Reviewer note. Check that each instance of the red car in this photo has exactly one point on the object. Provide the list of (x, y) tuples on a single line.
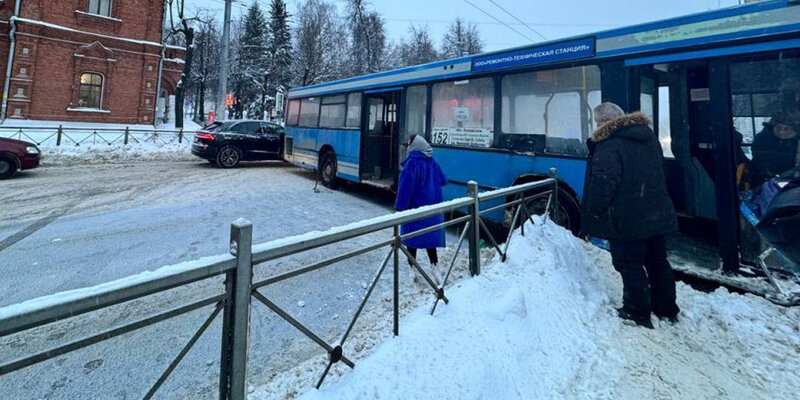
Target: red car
[(16, 155)]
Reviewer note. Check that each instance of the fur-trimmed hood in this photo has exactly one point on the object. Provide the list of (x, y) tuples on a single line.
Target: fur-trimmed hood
[(613, 126)]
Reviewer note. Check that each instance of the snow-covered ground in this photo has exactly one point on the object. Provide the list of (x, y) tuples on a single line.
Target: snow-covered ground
[(542, 326), (68, 227), (104, 154)]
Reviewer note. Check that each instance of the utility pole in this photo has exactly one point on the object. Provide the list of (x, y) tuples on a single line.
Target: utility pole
[(223, 62)]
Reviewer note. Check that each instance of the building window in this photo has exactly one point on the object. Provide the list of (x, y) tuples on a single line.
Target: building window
[(100, 7), (91, 91)]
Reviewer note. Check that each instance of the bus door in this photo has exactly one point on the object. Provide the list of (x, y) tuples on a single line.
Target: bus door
[(764, 95), (733, 124), (677, 98), (380, 139)]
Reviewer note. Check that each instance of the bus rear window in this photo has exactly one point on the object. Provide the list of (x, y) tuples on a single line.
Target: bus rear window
[(463, 113), (309, 112), (293, 116), (556, 104)]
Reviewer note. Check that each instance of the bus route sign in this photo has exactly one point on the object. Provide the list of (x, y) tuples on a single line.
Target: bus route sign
[(564, 51)]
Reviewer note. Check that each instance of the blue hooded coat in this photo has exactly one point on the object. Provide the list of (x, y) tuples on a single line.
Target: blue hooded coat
[(420, 184)]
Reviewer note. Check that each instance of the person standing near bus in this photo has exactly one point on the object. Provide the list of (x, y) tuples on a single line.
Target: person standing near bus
[(776, 147), (420, 184), (626, 201)]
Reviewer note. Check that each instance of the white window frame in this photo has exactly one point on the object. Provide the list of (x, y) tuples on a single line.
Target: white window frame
[(96, 11)]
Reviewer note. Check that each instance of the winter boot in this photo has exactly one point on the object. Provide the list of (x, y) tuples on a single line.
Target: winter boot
[(629, 319), (669, 320)]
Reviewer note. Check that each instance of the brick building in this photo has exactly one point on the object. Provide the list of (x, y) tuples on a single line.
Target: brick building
[(86, 60)]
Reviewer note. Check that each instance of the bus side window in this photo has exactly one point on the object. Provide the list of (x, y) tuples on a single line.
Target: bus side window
[(293, 116), (555, 104), (309, 112), (332, 112), (463, 113), (353, 110), (664, 124)]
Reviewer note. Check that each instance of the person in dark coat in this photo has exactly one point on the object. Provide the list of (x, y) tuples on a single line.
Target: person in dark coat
[(420, 184), (776, 148), (626, 201)]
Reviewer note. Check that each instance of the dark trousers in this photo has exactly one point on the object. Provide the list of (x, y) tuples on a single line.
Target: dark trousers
[(649, 285), (432, 255)]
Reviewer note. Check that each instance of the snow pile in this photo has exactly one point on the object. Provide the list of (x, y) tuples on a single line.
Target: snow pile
[(103, 153), (542, 326)]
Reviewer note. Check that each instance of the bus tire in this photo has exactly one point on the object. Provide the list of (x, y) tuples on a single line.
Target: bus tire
[(327, 170), (569, 210)]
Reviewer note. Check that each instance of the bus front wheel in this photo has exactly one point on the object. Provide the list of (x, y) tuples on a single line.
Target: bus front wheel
[(569, 212), (327, 170)]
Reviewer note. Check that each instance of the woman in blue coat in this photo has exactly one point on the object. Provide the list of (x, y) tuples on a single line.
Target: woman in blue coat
[(420, 184)]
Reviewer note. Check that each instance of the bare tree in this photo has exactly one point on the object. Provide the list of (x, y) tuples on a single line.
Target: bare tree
[(320, 44), (206, 74), (184, 28), (461, 39), (419, 48), (368, 48)]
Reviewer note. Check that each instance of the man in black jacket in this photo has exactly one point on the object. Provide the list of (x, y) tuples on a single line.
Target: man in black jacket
[(626, 201)]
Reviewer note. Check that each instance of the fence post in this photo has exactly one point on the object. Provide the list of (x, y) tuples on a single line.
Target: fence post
[(555, 195), (396, 305), (474, 233), (127, 133), (180, 136), (236, 320), (58, 135)]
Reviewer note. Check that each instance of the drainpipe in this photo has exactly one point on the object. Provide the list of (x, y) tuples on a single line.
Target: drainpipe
[(158, 81), (160, 61), (12, 35)]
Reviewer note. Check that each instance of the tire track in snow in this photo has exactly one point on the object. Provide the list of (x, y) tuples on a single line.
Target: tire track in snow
[(37, 225)]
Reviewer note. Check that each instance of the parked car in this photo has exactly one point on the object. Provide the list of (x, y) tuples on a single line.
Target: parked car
[(227, 143), (16, 155)]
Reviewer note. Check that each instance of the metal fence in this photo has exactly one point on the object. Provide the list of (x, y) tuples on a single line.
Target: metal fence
[(67, 136), (234, 302)]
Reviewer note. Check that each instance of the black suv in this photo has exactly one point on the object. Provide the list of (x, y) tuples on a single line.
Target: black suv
[(228, 143)]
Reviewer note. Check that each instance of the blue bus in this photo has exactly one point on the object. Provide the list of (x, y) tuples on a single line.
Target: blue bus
[(708, 82)]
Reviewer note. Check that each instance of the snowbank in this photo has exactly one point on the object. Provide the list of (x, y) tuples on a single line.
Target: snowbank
[(542, 326), (103, 153), (189, 125)]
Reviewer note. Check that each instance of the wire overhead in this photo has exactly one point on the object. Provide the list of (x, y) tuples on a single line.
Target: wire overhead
[(518, 20), (498, 20)]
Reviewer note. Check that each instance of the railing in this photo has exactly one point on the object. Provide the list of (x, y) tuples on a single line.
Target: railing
[(235, 301), (64, 136)]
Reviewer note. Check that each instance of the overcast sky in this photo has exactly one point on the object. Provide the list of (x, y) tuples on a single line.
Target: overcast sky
[(552, 19)]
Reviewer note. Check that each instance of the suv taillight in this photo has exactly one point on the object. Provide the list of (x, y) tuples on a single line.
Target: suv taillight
[(203, 135)]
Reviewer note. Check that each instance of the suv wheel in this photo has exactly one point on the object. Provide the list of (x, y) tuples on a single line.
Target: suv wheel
[(228, 157), (8, 166)]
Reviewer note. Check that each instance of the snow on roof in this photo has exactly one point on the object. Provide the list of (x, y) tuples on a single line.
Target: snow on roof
[(68, 29)]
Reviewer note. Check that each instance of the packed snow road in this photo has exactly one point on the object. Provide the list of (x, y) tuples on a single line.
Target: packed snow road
[(68, 227)]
